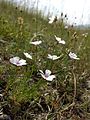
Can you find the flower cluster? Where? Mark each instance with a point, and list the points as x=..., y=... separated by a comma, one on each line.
x=47, y=74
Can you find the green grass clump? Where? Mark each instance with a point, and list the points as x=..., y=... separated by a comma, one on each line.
x=17, y=28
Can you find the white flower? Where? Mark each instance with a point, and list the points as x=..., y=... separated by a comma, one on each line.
x=17, y=61
x=27, y=55
x=52, y=19
x=47, y=75
x=60, y=40
x=53, y=57
x=66, y=27
x=73, y=56
x=36, y=42
x=85, y=34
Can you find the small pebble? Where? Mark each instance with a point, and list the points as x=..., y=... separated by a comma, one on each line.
x=4, y=117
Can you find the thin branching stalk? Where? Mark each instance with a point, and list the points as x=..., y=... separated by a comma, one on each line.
x=75, y=86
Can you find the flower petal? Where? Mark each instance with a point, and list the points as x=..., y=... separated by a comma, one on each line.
x=62, y=42
x=57, y=38
x=43, y=76
x=14, y=60
x=51, y=19
x=53, y=57
x=50, y=78
x=36, y=42
x=47, y=73
x=28, y=55
x=41, y=71
x=22, y=62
